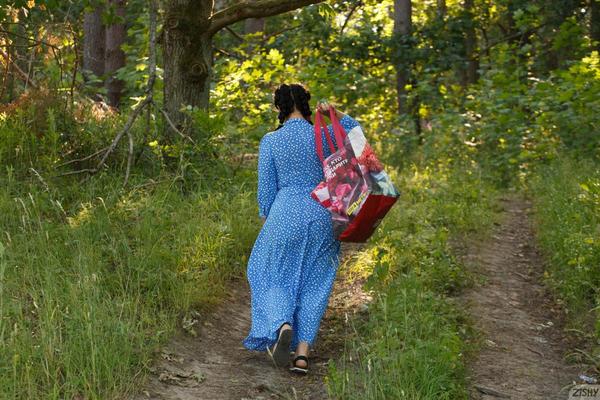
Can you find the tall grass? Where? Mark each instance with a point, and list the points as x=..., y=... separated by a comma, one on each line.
x=94, y=278
x=412, y=344
x=567, y=207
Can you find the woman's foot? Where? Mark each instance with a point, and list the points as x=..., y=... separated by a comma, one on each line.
x=280, y=352
x=300, y=364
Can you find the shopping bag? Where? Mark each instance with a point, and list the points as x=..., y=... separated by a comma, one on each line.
x=356, y=190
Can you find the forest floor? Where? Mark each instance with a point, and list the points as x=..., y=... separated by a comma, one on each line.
x=522, y=341
x=214, y=365
x=523, y=347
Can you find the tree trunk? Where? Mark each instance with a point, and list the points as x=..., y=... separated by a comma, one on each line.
x=402, y=31
x=471, y=45
x=254, y=25
x=188, y=30
x=93, y=43
x=556, y=13
x=116, y=34
x=595, y=23
x=187, y=47
x=442, y=9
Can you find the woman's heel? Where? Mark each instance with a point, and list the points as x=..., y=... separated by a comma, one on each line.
x=281, y=350
x=300, y=370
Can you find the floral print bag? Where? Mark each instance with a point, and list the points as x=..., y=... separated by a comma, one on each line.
x=356, y=190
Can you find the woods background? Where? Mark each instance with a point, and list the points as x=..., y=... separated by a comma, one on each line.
x=128, y=139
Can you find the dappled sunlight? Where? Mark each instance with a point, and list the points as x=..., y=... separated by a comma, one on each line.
x=83, y=216
x=358, y=265
x=129, y=138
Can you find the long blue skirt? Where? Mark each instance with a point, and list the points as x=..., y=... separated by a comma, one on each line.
x=291, y=269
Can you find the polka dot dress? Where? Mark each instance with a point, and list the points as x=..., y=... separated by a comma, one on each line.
x=294, y=260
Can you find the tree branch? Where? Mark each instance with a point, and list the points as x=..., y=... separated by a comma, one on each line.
x=172, y=125
x=228, y=54
x=22, y=74
x=279, y=32
x=528, y=32
x=352, y=10
x=235, y=34
x=254, y=9
x=34, y=42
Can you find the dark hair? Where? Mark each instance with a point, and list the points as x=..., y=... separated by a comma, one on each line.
x=287, y=96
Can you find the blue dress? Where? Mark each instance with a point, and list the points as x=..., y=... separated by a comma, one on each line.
x=294, y=260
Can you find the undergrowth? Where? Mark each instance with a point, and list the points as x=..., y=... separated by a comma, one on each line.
x=94, y=277
x=567, y=203
x=412, y=344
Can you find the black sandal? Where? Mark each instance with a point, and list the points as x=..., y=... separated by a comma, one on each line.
x=280, y=354
x=300, y=370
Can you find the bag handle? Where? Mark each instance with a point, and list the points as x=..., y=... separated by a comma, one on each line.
x=319, y=123
x=338, y=132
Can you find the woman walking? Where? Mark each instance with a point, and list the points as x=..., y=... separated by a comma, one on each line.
x=295, y=257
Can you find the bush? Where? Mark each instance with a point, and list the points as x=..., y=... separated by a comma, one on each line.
x=567, y=203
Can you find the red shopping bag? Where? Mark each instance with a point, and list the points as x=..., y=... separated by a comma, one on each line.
x=356, y=190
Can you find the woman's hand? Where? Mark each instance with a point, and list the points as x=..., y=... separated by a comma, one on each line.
x=324, y=106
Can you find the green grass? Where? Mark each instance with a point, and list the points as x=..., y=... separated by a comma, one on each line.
x=412, y=344
x=94, y=278
x=567, y=207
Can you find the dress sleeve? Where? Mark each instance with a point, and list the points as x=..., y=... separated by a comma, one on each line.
x=267, y=178
x=347, y=122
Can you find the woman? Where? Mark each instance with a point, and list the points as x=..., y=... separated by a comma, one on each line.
x=295, y=257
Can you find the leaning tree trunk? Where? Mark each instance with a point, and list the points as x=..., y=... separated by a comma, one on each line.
x=93, y=43
x=187, y=48
x=116, y=34
x=402, y=31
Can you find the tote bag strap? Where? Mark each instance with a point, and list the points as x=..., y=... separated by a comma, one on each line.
x=319, y=123
x=338, y=132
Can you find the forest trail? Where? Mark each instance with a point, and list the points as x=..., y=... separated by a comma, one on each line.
x=214, y=365
x=522, y=354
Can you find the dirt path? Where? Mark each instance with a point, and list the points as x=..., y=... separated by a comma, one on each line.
x=522, y=354
x=214, y=365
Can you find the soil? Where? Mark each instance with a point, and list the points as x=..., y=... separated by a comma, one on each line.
x=523, y=346
x=214, y=365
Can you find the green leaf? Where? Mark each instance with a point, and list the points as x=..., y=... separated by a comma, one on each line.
x=326, y=11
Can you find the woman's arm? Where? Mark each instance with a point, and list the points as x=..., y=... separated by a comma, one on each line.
x=267, y=178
